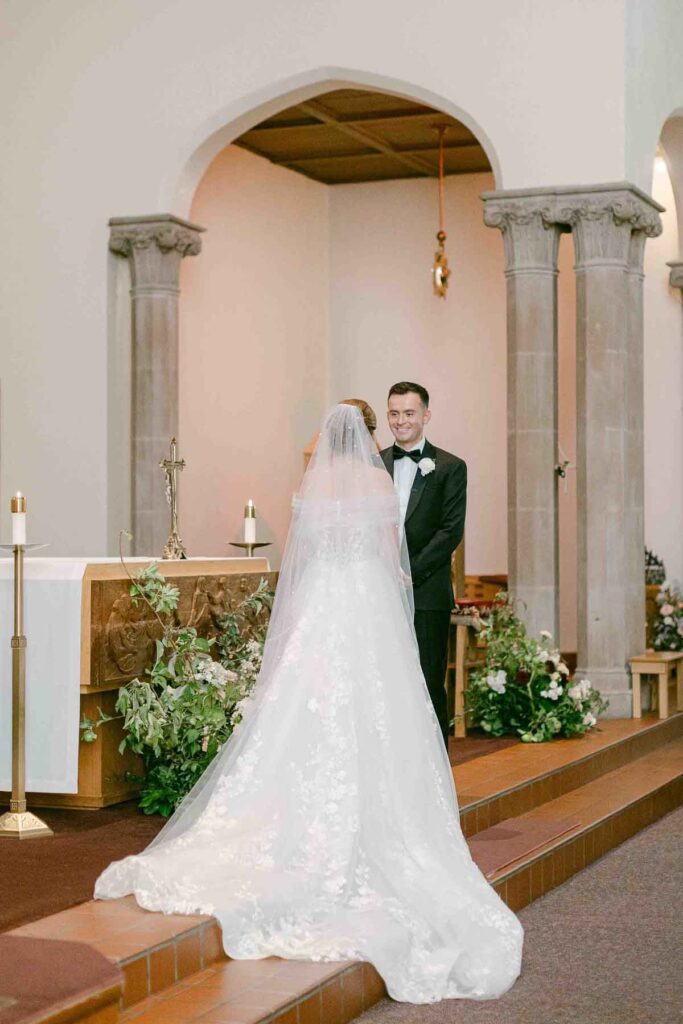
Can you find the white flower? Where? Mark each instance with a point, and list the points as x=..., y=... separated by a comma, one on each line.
x=668, y=621
x=563, y=669
x=554, y=691
x=546, y=634
x=497, y=682
x=543, y=656
x=589, y=719
x=555, y=676
x=426, y=466
x=579, y=691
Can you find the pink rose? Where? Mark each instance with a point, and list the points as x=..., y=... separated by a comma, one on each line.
x=666, y=609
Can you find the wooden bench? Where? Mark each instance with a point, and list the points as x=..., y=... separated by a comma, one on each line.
x=667, y=666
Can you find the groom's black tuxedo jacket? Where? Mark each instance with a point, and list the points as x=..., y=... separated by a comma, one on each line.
x=434, y=524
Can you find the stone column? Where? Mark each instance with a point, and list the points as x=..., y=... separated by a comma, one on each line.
x=531, y=240
x=154, y=247
x=610, y=225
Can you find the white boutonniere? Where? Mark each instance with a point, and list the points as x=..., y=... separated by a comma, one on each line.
x=426, y=466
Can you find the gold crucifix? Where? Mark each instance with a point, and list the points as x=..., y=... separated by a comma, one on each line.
x=174, y=546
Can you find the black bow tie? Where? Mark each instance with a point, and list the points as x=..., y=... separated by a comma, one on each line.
x=401, y=453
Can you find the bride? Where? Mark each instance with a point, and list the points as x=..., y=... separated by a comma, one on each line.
x=328, y=828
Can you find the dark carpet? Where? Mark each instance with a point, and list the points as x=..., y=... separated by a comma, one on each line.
x=49, y=875
x=43, y=876
x=604, y=948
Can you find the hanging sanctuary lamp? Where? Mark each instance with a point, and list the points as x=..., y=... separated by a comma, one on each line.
x=440, y=270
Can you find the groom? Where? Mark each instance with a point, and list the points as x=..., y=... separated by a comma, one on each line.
x=432, y=487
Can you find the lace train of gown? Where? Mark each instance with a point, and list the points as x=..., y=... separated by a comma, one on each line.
x=332, y=829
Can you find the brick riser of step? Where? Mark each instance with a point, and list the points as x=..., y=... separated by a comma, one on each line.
x=544, y=870
x=482, y=814
x=347, y=989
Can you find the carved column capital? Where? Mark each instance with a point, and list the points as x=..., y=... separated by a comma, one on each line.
x=530, y=232
x=676, y=274
x=154, y=246
x=610, y=224
x=601, y=217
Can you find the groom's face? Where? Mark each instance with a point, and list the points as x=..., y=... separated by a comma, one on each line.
x=407, y=417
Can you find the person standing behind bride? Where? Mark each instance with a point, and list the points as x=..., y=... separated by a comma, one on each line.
x=432, y=489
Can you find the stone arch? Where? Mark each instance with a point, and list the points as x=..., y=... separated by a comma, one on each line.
x=238, y=116
x=671, y=145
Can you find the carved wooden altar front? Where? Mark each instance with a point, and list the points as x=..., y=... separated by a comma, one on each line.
x=117, y=645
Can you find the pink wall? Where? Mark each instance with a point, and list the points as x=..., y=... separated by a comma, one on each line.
x=386, y=325
x=253, y=338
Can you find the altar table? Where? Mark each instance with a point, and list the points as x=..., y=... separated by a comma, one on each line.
x=86, y=639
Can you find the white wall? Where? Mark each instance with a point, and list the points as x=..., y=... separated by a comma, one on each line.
x=663, y=389
x=253, y=343
x=654, y=82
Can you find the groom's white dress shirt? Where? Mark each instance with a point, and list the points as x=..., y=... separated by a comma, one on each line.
x=404, y=477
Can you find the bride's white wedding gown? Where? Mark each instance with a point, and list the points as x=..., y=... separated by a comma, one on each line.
x=328, y=828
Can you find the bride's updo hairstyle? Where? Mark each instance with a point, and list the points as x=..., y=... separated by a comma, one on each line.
x=345, y=464
x=366, y=411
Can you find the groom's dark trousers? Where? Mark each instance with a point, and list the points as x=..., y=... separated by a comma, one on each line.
x=434, y=525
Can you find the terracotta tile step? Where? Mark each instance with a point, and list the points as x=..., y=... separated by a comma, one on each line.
x=516, y=780
x=605, y=813
x=251, y=991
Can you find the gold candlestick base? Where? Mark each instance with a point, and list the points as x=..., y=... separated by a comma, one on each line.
x=22, y=825
x=174, y=548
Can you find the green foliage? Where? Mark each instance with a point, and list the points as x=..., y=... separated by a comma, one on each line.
x=524, y=685
x=181, y=713
x=668, y=626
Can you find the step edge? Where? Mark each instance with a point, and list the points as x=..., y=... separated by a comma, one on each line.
x=568, y=837
x=502, y=793
x=148, y=950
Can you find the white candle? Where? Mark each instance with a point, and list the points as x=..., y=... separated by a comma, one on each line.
x=18, y=509
x=249, y=523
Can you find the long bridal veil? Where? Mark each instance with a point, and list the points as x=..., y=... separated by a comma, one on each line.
x=345, y=494
x=327, y=828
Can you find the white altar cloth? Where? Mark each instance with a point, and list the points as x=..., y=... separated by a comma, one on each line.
x=52, y=614
x=52, y=624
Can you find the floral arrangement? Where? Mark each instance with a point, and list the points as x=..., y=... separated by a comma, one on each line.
x=181, y=713
x=654, y=568
x=524, y=687
x=668, y=625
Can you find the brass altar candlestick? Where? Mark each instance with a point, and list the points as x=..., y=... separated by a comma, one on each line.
x=174, y=547
x=18, y=823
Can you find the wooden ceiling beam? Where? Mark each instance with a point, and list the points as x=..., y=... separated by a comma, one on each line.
x=288, y=161
x=317, y=109
x=296, y=124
